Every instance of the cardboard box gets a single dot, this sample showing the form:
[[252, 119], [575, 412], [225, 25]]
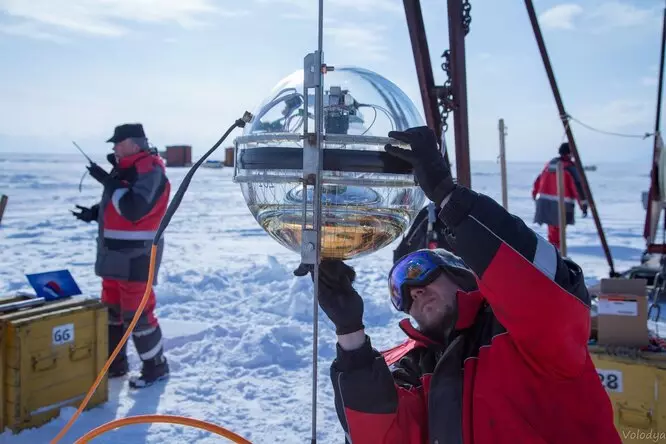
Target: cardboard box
[[622, 312]]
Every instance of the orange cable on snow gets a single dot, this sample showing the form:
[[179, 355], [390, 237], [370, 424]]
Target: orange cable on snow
[[166, 419], [172, 419], [107, 364]]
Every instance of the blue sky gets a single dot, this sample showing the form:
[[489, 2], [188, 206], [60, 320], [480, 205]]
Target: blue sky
[[73, 69]]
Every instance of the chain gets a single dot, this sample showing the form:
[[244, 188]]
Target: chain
[[446, 101], [446, 96], [467, 15]]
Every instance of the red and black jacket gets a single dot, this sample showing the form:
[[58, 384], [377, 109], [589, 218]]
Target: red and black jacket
[[518, 372], [544, 192], [129, 216]]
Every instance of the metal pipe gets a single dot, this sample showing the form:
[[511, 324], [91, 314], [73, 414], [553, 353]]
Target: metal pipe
[[561, 208], [316, 217], [459, 87], [570, 137], [417, 36], [661, 78], [505, 194], [654, 194]]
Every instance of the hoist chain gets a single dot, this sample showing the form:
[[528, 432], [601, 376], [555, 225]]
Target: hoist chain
[[446, 99], [467, 15], [446, 95]]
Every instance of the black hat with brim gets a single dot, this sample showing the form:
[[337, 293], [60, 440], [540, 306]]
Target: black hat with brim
[[126, 131]]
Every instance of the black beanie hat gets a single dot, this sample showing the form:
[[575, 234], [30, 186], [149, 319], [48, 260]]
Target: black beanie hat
[[564, 149]]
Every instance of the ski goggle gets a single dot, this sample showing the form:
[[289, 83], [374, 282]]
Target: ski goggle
[[418, 269]]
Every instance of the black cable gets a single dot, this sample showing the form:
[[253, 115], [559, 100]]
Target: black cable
[[81, 181], [178, 197]]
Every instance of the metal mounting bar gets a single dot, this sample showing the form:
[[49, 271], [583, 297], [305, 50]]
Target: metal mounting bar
[[654, 194], [567, 128], [459, 87], [423, 64]]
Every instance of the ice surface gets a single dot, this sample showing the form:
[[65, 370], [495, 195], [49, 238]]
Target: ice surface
[[237, 324]]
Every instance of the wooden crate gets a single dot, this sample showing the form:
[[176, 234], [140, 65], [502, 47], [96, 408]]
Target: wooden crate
[[50, 356]]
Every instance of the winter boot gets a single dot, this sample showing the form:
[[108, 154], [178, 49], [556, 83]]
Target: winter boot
[[153, 370], [120, 366]]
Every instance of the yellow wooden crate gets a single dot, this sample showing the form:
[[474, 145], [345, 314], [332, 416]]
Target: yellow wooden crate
[[49, 357], [636, 384]]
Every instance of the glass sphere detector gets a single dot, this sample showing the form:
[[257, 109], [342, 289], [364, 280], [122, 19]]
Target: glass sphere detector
[[369, 198]]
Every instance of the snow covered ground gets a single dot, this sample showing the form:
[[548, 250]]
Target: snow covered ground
[[238, 324]]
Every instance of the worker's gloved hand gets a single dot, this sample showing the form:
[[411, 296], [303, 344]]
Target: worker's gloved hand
[[112, 159], [584, 210], [430, 168], [337, 297], [109, 181], [97, 172], [86, 214]]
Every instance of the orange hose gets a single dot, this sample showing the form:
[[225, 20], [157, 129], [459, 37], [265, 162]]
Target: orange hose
[[123, 340], [166, 419], [143, 418]]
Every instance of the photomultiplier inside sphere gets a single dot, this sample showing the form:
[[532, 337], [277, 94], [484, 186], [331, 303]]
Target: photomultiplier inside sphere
[[368, 198]]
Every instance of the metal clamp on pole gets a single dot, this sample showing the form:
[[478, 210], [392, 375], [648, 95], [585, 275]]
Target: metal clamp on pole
[[312, 160]]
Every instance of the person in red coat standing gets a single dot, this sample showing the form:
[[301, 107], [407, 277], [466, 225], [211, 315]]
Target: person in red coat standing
[[134, 200], [544, 193]]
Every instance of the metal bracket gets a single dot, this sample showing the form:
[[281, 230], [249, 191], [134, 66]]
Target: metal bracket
[[308, 246], [312, 70], [312, 156]]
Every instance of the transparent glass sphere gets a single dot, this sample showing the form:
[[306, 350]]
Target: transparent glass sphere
[[381, 106], [368, 198]]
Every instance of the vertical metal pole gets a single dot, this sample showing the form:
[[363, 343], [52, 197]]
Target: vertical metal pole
[[502, 134], [319, 120], [313, 77], [459, 86], [562, 211], [565, 122]]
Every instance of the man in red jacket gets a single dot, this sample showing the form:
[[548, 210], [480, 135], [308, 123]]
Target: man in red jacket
[[134, 200], [544, 193], [500, 354]]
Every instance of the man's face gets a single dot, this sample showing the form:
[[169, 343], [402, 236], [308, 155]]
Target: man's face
[[125, 148], [435, 304]]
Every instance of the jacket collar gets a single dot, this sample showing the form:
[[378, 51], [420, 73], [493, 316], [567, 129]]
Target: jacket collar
[[415, 334], [566, 160], [127, 162], [469, 304]]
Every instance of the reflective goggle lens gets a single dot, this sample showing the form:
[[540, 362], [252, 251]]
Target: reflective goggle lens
[[416, 269]]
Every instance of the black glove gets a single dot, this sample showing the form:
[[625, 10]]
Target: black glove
[[584, 210], [337, 297], [430, 168], [87, 214], [112, 159], [106, 179], [98, 172]]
